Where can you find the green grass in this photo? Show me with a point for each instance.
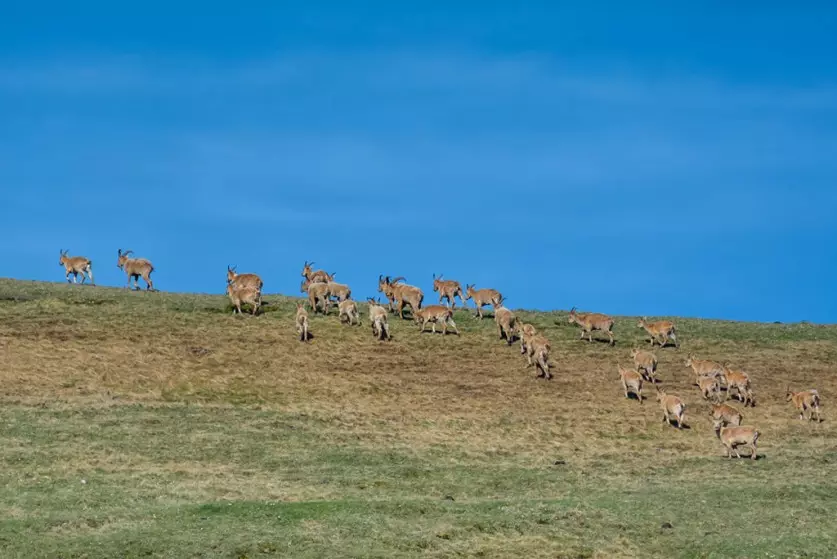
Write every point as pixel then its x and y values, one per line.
pixel 158 425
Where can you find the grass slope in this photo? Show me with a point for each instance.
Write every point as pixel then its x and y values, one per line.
pixel 158 425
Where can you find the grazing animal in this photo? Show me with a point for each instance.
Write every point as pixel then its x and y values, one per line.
pixel 659 331
pixel 400 294
pixel 536 347
pixel 378 318
pixel 704 367
pixel 349 313
pixel 710 388
pixel 733 437
pixel 242 280
pixel 506 322
pixel 315 276
pixel 135 268
pixel 806 401
pixel 244 294
pixel 673 408
pixel 318 293
pixel 740 381
pixel 592 321
pixel 646 363
pixel 76 265
pixel 301 322
pixel 483 298
pixel 726 414
pixel 448 289
pixel 434 314
pixel 631 382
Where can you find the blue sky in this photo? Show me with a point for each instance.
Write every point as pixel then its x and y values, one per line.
pixel 640 158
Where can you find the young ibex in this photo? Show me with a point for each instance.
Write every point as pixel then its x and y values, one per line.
pixel 726 414
pixel 349 313
pixel 434 314
pixel 135 268
pixel 646 363
pixel 592 321
pixel 506 322
pixel 631 382
pixel 807 400
pixel 704 367
pixel 740 381
pixel 301 322
pixel 448 289
pixel 76 265
pixel 659 331
pixel 243 280
pixel 378 318
pixel 315 276
pixel 400 293
pixel 673 408
pixel 339 291
pixel 536 348
pixel 483 298
pixel 733 437
pixel 710 388
pixel 317 293
pixel 244 294
pixel 525 332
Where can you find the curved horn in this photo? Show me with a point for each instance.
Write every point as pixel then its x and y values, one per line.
pixel 119 252
pixel 127 252
pixel 380 278
pixel 399 278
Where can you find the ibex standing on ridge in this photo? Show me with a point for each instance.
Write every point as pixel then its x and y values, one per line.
pixel 135 268
pixel 239 294
pixel 806 400
pixel 76 265
pixel 592 321
pixel 400 293
pixel 378 318
pixel 659 331
pixel 243 280
pixel 315 276
pixel 483 298
pixel 448 289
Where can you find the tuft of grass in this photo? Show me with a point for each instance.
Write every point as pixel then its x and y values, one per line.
pixel 159 425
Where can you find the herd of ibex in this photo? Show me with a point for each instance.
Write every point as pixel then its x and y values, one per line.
pixel 716 381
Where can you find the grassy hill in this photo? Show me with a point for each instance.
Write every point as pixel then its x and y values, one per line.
pixel 158 425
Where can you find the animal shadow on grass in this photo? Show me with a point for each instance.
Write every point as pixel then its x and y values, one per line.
pixel 673 423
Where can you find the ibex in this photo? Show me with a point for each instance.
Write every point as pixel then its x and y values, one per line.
pixel 506 322
pixel 135 268
pixel 339 291
pixel 434 314
pixel 243 280
pixel 704 367
pixel 710 388
pixel 673 408
pixel 726 414
pixel 378 318
pixel 740 381
pixel 301 322
pixel 659 331
pixel 592 321
pixel 448 289
pixel 631 382
pixel 806 401
pixel 646 363
pixel 400 293
pixel 317 293
pixel 315 276
pixel 76 265
pixel 244 294
pixel 349 313
pixel 733 437
pixel 536 348
pixel 483 298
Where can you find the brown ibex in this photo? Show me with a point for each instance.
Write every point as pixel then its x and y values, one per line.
pixel 733 437
pixel 400 294
pixel 483 298
pixel 448 289
pixel 315 276
pixel 301 322
pixel 536 348
pixel 244 294
pixel 506 322
pixel 740 381
pixel 243 280
pixel 378 318
pixel 646 363
pixel 76 265
pixel 436 314
pixel 631 382
pixel 349 313
pixel 726 414
pixel 592 321
pixel 673 408
pixel 135 268
pixel 704 367
pixel 659 331
pixel 317 293
pixel 806 400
